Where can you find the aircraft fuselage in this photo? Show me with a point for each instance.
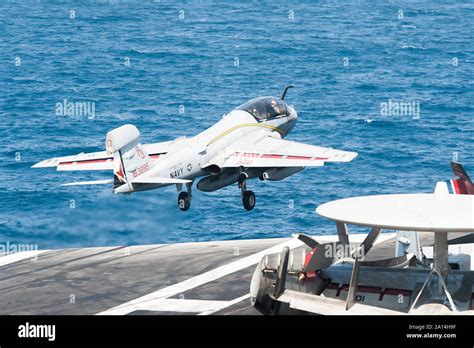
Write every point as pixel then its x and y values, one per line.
pixel 188 158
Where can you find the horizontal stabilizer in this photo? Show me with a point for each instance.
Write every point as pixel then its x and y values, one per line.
pixel 155 180
pixel 94 182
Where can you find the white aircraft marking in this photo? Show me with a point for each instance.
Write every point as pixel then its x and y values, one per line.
pixel 228 304
pixel 153 299
pixel 22 255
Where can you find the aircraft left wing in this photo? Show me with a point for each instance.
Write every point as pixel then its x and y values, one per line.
pixel 84 161
pixel 97 160
pixel 275 152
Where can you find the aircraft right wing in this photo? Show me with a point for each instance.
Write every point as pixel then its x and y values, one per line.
pixel 274 152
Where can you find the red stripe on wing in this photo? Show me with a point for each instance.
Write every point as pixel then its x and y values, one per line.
pixel 256 155
pixel 100 160
pixel 86 161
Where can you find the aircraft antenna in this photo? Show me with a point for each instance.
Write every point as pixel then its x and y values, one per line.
pixel 286 89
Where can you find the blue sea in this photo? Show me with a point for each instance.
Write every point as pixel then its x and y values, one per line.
pixel 174 68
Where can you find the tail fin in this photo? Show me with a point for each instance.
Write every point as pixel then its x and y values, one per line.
pixel 462 185
pixel 130 158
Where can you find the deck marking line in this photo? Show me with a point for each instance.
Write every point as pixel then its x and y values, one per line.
pixel 19 256
pixel 186 306
pixel 228 304
pixel 207 277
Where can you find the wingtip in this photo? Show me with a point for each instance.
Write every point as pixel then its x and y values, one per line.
pixel 52 162
pixel 349 156
pixel 38 165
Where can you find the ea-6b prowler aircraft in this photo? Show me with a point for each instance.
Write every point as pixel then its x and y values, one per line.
pixel 246 143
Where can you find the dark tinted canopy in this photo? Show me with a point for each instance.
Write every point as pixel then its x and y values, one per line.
pixel 265 107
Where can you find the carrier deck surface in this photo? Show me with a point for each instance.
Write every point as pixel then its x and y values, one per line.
pixel 187 278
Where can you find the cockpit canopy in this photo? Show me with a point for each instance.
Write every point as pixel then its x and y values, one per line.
pixel 263 108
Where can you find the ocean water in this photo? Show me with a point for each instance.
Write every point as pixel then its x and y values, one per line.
pixel 173 70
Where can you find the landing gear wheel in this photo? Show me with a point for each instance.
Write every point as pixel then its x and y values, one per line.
pixel 184 201
pixel 248 199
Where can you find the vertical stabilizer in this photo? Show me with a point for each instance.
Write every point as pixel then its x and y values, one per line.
pixel 463 184
pixel 130 158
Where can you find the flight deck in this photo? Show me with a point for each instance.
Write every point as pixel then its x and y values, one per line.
pixel 187 278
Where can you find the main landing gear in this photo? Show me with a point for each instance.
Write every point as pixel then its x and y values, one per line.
pixel 184 198
pixel 248 197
